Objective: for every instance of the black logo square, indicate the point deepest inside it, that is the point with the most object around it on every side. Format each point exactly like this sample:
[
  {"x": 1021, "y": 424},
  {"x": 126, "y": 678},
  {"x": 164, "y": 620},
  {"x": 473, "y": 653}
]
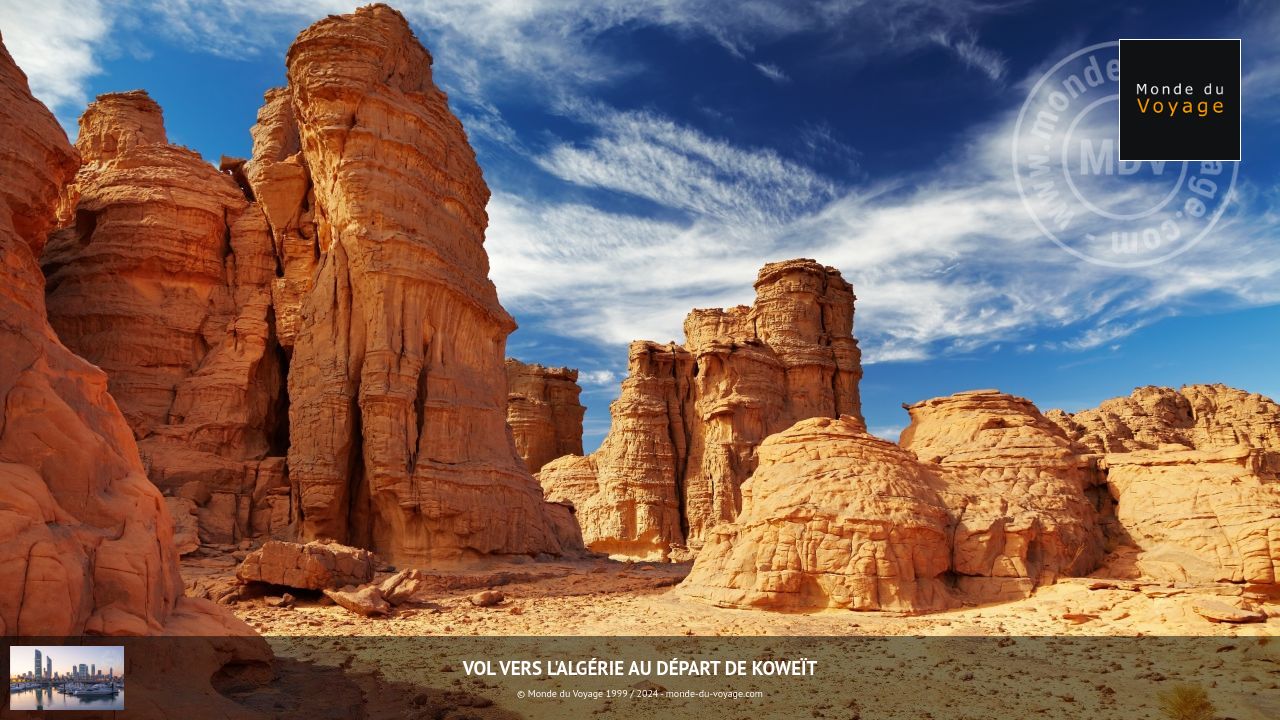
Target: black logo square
[{"x": 1179, "y": 100}]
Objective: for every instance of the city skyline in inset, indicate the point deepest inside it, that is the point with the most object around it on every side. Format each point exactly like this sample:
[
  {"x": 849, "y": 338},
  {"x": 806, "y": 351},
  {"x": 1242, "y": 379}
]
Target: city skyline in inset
[{"x": 104, "y": 658}]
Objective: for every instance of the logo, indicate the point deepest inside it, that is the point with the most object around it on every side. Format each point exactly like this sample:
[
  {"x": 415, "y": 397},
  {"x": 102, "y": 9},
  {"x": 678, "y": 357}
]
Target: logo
[{"x": 1082, "y": 196}]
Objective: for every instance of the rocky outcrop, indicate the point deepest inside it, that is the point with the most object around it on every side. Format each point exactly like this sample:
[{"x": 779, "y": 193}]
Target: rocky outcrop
[
  {"x": 1021, "y": 493},
  {"x": 313, "y": 566},
  {"x": 984, "y": 501},
  {"x": 397, "y": 388},
  {"x": 161, "y": 275},
  {"x": 832, "y": 518},
  {"x": 544, "y": 412},
  {"x": 1193, "y": 475},
  {"x": 690, "y": 417},
  {"x": 85, "y": 539}
]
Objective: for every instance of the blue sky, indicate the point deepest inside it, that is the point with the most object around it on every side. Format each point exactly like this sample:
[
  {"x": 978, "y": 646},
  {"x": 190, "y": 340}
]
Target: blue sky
[{"x": 647, "y": 157}]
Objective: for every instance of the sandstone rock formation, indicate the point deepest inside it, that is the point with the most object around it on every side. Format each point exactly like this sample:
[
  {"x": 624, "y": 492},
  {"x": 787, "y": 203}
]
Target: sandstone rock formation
[
  {"x": 833, "y": 517},
  {"x": 687, "y": 425},
  {"x": 984, "y": 500},
  {"x": 1021, "y": 494},
  {"x": 313, "y": 566},
  {"x": 1193, "y": 474},
  {"x": 396, "y": 384},
  {"x": 85, "y": 541},
  {"x": 543, "y": 412},
  {"x": 161, "y": 275}
]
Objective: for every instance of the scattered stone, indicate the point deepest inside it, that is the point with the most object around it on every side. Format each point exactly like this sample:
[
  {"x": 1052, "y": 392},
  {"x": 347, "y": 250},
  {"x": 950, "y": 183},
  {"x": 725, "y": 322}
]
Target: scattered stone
[
  {"x": 487, "y": 598},
  {"x": 403, "y": 586},
  {"x": 1079, "y": 618},
  {"x": 1220, "y": 612},
  {"x": 365, "y": 601},
  {"x": 313, "y": 566}
]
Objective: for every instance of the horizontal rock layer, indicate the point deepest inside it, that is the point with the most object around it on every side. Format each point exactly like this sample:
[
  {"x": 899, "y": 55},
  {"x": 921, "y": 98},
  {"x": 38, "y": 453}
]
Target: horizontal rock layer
[
  {"x": 86, "y": 542},
  {"x": 690, "y": 417},
  {"x": 1193, "y": 473},
  {"x": 543, "y": 412}
]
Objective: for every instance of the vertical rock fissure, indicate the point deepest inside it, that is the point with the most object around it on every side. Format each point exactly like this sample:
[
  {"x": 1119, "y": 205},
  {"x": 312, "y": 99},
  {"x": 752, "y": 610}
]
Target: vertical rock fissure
[
  {"x": 681, "y": 464},
  {"x": 420, "y": 408}
]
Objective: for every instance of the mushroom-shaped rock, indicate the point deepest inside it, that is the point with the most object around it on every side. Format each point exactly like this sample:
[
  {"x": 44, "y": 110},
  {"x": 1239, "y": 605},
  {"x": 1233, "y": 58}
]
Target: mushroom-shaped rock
[{"x": 832, "y": 518}]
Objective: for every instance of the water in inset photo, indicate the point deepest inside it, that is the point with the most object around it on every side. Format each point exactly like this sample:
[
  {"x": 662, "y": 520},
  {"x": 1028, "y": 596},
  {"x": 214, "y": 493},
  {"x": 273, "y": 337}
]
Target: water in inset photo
[{"x": 66, "y": 677}]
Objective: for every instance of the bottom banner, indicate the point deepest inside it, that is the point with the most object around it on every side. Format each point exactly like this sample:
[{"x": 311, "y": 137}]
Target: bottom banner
[{"x": 457, "y": 678}]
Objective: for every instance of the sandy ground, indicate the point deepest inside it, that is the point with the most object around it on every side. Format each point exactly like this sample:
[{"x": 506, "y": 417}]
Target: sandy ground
[
  {"x": 1083, "y": 647},
  {"x": 604, "y": 597}
]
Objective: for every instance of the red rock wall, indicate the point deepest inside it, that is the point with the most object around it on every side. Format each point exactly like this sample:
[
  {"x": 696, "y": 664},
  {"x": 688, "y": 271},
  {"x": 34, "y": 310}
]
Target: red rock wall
[
  {"x": 161, "y": 275},
  {"x": 984, "y": 501},
  {"x": 1194, "y": 477},
  {"x": 86, "y": 546},
  {"x": 397, "y": 382}
]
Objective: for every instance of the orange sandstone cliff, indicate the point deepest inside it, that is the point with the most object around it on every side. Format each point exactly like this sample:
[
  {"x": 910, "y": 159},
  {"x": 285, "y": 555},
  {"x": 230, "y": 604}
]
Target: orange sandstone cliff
[
  {"x": 162, "y": 276},
  {"x": 544, "y": 412},
  {"x": 984, "y": 501},
  {"x": 86, "y": 541},
  {"x": 397, "y": 385},
  {"x": 690, "y": 418},
  {"x": 1194, "y": 475}
]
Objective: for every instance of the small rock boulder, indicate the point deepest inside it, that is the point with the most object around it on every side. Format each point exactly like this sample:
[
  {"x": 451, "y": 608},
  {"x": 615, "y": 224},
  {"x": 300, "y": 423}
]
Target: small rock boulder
[
  {"x": 1220, "y": 612},
  {"x": 365, "y": 601},
  {"x": 313, "y": 566},
  {"x": 487, "y": 598},
  {"x": 401, "y": 587}
]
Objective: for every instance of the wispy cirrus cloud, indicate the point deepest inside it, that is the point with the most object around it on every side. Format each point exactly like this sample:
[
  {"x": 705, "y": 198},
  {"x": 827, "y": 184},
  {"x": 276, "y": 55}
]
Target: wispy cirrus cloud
[
  {"x": 943, "y": 261},
  {"x": 56, "y": 44}
]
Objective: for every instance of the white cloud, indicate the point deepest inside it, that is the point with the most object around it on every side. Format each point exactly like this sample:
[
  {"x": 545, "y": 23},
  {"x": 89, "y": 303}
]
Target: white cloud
[
  {"x": 598, "y": 377},
  {"x": 652, "y": 157},
  {"x": 773, "y": 72},
  {"x": 947, "y": 261},
  {"x": 966, "y": 47},
  {"x": 54, "y": 42}
]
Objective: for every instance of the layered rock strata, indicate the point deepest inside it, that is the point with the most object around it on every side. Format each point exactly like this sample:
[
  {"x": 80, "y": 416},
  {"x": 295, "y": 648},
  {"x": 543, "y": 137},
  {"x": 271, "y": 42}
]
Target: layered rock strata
[
  {"x": 544, "y": 412},
  {"x": 161, "y": 275},
  {"x": 313, "y": 566},
  {"x": 1193, "y": 475},
  {"x": 397, "y": 385},
  {"x": 984, "y": 500},
  {"x": 85, "y": 539},
  {"x": 833, "y": 517},
  {"x": 1023, "y": 498},
  {"x": 690, "y": 417}
]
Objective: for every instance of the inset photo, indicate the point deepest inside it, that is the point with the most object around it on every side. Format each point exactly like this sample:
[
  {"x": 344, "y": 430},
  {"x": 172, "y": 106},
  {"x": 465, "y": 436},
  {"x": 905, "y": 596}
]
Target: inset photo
[{"x": 66, "y": 677}]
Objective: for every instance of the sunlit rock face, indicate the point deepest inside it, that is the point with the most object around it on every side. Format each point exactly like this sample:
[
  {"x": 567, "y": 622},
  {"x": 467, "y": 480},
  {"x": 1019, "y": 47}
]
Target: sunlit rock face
[
  {"x": 544, "y": 412},
  {"x": 1193, "y": 477},
  {"x": 832, "y": 518},
  {"x": 983, "y": 501},
  {"x": 161, "y": 275},
  {"x": 691, "y": 417},
  {"x": 397, "y": 384},
  {"x": 1020, "y": 492},
  {"x": 86, "y": 544}
]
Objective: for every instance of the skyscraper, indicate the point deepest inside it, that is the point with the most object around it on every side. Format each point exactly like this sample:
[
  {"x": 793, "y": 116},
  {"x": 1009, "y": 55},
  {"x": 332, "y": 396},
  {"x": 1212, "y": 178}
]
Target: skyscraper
[
  {"x": 93, "y": 670},
  {"x": 48, "y": 674},
  {"x": 39, "y": 667}
]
